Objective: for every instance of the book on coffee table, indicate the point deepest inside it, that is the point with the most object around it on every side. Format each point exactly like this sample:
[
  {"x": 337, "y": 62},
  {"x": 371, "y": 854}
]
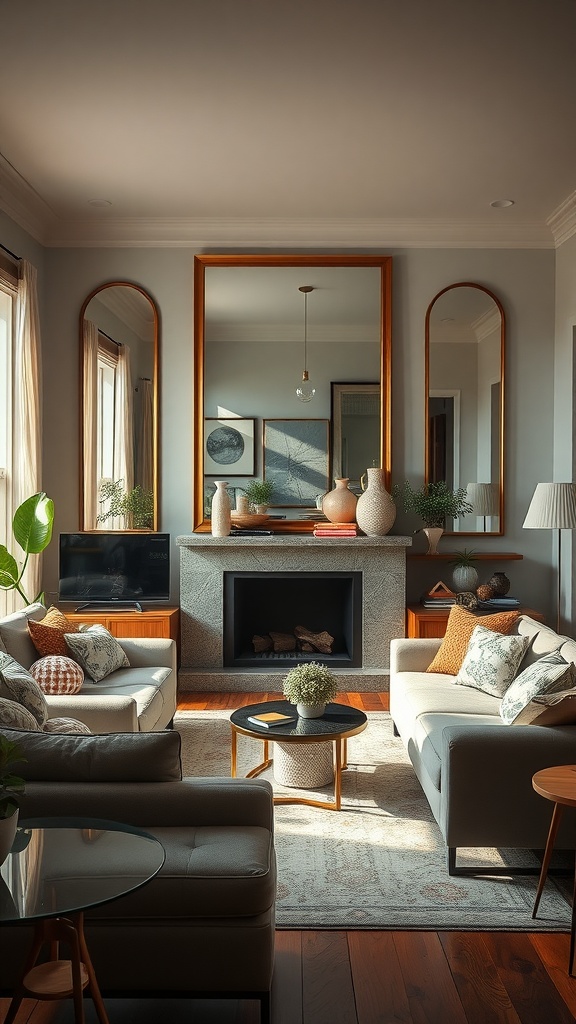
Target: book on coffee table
[{"x": 270, "y": 718}]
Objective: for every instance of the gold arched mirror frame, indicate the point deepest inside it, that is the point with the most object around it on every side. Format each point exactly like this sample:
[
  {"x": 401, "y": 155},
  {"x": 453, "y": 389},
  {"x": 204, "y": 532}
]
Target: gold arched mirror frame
[
  {"x": 465, "y": 350},
  {"x": 119, "y": 316},
  {"x": 305, "y": 265}
]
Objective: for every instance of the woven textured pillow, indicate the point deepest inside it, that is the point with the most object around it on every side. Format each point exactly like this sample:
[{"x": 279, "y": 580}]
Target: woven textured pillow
[
  {"x": 550, "y": 674},
  {"x": 66, "y": 725},
  {"x": 17, "y": 684},
  {"x": 459, "y": 628},
  {"x": 15, "y": 716},
  {"x": 56, "y": 674},
  {"x": 98, "y": 652},
  {"x": 491, "y": 660},
  {"x": 48, "y": 634}
]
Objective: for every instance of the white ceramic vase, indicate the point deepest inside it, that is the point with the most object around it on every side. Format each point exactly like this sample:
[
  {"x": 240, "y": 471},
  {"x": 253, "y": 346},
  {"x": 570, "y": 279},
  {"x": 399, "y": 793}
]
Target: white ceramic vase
[
  {"x": 220, "y": 518},
  {"x": 375, "y": 511},
  {"x": 433, "y": 534},
  {"x": 8, "y": 828},
  {"x": 310, "y": 710},
  {"x": 465, "y": 578},
  {"x": 339, "y": 505}
]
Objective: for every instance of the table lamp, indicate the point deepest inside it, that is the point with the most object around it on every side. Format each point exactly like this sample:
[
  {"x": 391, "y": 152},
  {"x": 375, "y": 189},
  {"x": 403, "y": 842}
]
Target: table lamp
[
  {"x": 484, "y": 500},
  {"x": 553, "y": 507}
]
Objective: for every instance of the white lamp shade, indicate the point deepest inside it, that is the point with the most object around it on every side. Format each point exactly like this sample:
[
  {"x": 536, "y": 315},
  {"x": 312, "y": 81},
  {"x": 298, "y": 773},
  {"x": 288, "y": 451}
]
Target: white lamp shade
[
  {"x": 553, "y": 507},
  {"x": 483, "y": 499}
]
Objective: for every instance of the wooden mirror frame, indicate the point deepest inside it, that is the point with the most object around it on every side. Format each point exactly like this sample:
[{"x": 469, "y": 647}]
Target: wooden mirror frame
[
  {"x": 469, "y": 284},
  {"x": 155, "y": 430},
  {"x": 201, "y": 262}
]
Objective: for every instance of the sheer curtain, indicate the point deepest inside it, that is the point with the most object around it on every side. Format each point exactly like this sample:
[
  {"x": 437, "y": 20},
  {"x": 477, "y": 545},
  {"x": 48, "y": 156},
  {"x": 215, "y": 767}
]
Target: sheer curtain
[
  {"x": 26, "y": 420},
  {"x": 124, "y": 427},
  {"x": 90, "y": 423},
  {"x": 145, "y": 446}
]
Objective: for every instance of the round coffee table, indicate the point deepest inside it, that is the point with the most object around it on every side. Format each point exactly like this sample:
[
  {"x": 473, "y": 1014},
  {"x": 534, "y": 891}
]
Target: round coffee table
[
  {"x": 57, "y": 868},
  {"x": 336, "y": 725}
]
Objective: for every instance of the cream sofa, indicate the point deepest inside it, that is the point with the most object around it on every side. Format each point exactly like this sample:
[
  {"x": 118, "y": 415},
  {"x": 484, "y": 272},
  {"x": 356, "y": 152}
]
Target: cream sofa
[
  {"x": 476, "y": 771},
  {"x": 141, "y": 698},
  {"x": 205, "y": 924}
]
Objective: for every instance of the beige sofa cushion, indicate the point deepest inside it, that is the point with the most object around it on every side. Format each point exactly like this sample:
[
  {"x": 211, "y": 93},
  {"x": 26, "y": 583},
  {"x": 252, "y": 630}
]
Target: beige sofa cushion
[{"x": 14, "y": 636}]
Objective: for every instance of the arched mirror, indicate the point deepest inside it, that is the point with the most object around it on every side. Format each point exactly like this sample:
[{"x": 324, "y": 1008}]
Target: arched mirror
[
  {"x": 261, "y": 321},
  {"x": 119, "y": 409},
  {"x": 465, "y": 340}
]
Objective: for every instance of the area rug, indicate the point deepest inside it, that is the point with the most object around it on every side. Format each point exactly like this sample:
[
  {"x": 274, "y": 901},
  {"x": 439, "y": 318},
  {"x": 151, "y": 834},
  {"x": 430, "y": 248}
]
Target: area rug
[{"x": 381, "y": 861}]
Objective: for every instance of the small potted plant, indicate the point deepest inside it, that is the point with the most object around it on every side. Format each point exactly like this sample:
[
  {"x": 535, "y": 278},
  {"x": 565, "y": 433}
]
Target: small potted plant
[
  {"x": 259, "y": 493},
  {"x": 434, "y": 503},
  {"x": 10, "y": 785},
  {"x": 464, "y": 573},
  {"x": 310, "y": 687}
]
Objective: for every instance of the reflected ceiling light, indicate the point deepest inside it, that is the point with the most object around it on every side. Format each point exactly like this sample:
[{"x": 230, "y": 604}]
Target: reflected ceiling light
[
  {"x": 499, "y": 204},
  {"x": 305, "y": 390},
  {"x": 99, "y": 204}
]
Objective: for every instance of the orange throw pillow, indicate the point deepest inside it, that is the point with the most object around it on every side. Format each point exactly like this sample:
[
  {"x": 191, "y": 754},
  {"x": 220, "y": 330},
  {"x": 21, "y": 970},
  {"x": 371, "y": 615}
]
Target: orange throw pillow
[
  {"x": 48, "y": 634},
  {"x": 459, "y": 627}
]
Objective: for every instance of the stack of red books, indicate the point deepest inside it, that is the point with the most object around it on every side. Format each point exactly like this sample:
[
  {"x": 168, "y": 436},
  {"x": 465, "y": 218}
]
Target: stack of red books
[{"x": 335, "y": 530}]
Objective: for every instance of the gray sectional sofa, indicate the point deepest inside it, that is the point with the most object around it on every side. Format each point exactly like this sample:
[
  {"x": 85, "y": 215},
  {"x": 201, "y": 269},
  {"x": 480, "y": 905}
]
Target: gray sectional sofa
[
  {"x": 140, "y": 698},
  {"x": 475, "y": 770}
]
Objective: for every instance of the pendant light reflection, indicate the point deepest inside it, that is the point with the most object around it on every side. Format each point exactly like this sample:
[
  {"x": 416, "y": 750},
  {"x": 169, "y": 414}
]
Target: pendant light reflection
[{"x": 305, "y": 391}]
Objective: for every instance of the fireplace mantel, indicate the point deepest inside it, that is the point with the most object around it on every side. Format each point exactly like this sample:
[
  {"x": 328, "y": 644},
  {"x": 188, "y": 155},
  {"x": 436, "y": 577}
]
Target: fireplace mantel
[{"x": 204, "y": 560}]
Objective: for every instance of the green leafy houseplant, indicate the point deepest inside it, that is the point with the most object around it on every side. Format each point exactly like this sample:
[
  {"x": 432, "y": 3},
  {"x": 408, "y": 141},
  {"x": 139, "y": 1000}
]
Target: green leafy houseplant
[
  {"x": 259, "y": 492},
  {"x": 464, "y": 559},
  {"x": 32, "y": 529},
  {"x": 136, "y": 506},
  {"x": 10, "y": 784},
  {"x": 309, "y": 684},
  {"x": 433, "y": 502}
]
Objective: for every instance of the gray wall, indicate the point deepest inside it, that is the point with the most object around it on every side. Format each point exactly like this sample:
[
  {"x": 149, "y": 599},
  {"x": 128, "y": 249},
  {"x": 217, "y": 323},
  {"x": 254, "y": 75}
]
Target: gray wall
[{"x": 524, "y": 280}]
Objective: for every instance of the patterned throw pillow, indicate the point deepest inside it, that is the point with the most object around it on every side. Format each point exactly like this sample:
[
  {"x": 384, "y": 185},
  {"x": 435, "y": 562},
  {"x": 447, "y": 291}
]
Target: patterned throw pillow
[
  {"x": 98, "y": 651},
  {"x": 48, "y": 634},
  {"x": 65, "y": 725},
  {"x": 459, "y": 628},
  {"x": 491, "y": 661},
  {"x": 17, "y": 684},
  {"x": 15, "y": 716},
  {"x": 549, "y": 675},
  {"x": 55, "y": 674}
]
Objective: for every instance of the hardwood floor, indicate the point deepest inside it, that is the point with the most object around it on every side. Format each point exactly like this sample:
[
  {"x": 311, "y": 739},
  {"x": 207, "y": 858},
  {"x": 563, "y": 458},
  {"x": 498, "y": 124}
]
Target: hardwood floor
[{"x": 373, "y": 977}]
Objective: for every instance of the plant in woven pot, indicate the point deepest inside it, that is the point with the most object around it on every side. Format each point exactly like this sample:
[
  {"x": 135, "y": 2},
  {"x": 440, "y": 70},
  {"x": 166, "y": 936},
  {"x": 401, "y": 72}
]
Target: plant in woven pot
[
  {"x": 10, "y": 785},
  {"x": 464, "y": 573},
  {"x": 434, "y": 503},
  {"x": 310, "y": 687}
]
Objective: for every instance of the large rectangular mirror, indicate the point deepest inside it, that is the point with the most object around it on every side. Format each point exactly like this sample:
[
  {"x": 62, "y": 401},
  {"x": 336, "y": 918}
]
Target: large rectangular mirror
[{"x": 262, "y": 323}]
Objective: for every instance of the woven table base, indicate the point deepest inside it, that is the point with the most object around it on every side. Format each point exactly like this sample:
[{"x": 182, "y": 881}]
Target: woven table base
[{"x": 303, "y": 765}]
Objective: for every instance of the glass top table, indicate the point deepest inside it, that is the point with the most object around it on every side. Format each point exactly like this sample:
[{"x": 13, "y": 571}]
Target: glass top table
[
  {"x": 58, "y": 868},
  {"x": 338, "y": 723}
]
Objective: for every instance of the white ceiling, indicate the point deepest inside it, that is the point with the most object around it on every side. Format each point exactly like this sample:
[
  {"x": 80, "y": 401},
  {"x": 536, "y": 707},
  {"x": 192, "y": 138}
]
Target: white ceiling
[{"x": 292, "y": 122}]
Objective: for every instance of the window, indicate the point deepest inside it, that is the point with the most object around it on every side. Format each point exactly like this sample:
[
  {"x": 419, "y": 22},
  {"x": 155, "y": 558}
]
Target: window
[
  {"x": 107, "y": 370},
  {"x": 6, "y": 347}
]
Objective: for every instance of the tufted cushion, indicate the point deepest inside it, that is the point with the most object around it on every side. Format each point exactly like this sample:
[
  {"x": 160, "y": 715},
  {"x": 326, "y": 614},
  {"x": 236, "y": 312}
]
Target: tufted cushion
[
  {"x": 98, "y": 651},
  {"x": 15, "y": 716},
  {"x": 17, "y": 684},
  {"x": 491, "y": 660},
  {"x": 66, "y": 725},
  {"x": 48, "y": 634},
  {"x": 459, "y": 628},
  {"x": 56, "y": 674},
  {"x": 549, "y": 675}
]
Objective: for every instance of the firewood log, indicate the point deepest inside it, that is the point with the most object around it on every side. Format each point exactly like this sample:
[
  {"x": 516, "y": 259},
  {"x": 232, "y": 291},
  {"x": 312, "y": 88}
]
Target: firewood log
[
  {"x": 261, "y": 643},
  {"x": 321, "y": 642},
  {"x": 283, "y": 641}
]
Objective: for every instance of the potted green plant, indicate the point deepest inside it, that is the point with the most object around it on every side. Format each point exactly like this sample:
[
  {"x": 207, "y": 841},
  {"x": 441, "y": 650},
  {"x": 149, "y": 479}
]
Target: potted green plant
[
  {"x": 434, "y": 503},
  {"x": 136, "y": 507},
  {"x": 32, "y": 529},
  {"x": 10, "y": 785},
  {"x": 259, "y": 494},
  {"x": 310, "y": 686},
  {"x": 464, "y": 573}
]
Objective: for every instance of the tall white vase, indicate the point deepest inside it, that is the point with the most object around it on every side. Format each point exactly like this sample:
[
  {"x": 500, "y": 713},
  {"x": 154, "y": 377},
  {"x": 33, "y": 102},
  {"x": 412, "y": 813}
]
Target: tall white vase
[
  {"x": 375, "y": 511},
  {"x": 220, "y": 518}
]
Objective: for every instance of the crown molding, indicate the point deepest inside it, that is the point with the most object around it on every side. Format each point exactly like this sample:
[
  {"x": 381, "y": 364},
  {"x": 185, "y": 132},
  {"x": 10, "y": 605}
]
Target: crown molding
[
  {"x": 562, "y": 222},
  {"x": 19, "y": 200}
]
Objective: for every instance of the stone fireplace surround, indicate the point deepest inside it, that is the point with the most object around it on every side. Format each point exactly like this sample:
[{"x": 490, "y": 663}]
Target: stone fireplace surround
[{"x": 204, "y": 560}]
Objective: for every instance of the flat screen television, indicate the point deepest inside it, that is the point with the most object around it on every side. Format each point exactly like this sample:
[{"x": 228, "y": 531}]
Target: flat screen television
[{"x": 114, "y": 568}]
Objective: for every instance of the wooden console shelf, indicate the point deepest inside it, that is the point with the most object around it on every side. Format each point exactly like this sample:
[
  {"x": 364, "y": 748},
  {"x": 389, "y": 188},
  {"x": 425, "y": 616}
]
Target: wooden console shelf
[
  {"x": 431, "y": 622},
  {"x": 162, "y": 621},
  {"x": 481, "y": 556}
]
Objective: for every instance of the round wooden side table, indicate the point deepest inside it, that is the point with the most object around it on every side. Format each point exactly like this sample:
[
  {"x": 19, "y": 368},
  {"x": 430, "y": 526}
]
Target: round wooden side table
[{"x": 559, "y": 786}]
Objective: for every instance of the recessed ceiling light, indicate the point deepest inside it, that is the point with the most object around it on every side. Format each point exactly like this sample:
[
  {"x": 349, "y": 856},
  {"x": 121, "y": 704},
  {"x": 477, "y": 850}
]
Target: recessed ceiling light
[
  {"x": 499, "y": 204},
  {"x": 99, "y": 203},
  {"x": 447, "y": 320}
]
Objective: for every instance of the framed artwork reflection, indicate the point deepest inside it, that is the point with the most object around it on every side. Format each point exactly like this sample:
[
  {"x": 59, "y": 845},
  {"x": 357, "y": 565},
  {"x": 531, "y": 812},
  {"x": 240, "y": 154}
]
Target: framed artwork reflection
[
  {"x": 296, "y": 460},
  {"x": 229, "y": 447}
]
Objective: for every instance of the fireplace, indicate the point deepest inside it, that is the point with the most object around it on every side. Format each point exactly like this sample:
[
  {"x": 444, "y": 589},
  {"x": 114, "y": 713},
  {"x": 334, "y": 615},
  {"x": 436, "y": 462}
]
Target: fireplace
[
  {"x": 258, "y": 604},
  {"x": 368, "y": 574}
]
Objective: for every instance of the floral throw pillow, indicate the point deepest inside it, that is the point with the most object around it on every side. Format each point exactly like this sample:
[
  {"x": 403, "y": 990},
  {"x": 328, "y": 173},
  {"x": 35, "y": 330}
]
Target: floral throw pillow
[
  {"x": 18, "y": 685},
  {"x": 491, "y": 660},
  {"x": 97, "y": 651},
  {"x": 549, "y": 675}
]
